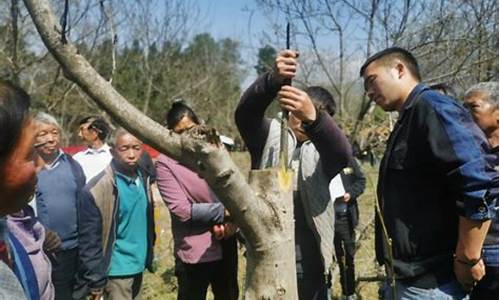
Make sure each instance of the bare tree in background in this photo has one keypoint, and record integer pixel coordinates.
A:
(153, 29)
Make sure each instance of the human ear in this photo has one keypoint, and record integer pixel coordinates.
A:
(401, 69)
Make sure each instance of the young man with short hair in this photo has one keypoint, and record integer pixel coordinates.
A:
(436, 188)
(93, 132)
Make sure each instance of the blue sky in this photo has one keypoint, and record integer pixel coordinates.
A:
(240, 20)
(246, 22)
(233, 18)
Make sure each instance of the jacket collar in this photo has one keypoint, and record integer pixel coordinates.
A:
(111, 170)
(412, 98)
(55, 163)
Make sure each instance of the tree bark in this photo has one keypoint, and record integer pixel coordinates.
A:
(264, 214)
(14, 13)
(270, 273)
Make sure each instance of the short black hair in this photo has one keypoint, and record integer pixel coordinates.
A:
(14, 111)
(177, 111)
(86, 120)
(97, 124)
(389, 54)
(322, 99)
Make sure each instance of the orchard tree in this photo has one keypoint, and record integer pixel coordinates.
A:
(262, 209)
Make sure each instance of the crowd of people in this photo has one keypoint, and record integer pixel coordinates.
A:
(83, 226)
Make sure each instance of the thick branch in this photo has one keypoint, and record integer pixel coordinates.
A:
(210, 161)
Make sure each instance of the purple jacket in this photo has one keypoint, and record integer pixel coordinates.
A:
(31, 233)
(194, 209)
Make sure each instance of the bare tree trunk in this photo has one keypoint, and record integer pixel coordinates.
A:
(264, 215)
(14, 12)
(365, 102)
(300, 7)
(113, 36)
(371, 26)
(268, 265)
(341, 73)
(338, 27)
(149, 89)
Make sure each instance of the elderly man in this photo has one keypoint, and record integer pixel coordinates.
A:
(482, 101)
(59, 183)
(436, 188)
(116, 225)
(17, 183)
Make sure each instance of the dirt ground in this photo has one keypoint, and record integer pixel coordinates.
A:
(163, 284)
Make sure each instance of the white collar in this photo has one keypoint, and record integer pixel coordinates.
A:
(55, 163)
(104, 148)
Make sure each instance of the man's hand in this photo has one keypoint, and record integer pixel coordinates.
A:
(229, 230)
(286, 64)
(298, 103)
(96, 294)
(52, 242)
(468, 275)
(224, 231)
(96, 297)
(347, 197)
(218, 231)
(471, 234)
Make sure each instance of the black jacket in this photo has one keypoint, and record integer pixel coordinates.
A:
(435, 168)
(354, 183)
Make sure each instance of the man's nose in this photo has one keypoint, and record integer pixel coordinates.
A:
(131, 154)
(50, 138)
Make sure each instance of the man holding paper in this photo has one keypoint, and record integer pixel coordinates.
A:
(345, 188)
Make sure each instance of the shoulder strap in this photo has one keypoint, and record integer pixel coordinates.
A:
(24, 269)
